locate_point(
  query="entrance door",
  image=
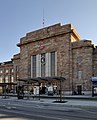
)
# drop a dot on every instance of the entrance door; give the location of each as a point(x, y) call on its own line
point(79, 89)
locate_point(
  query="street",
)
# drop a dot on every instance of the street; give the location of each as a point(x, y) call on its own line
point(27, 110)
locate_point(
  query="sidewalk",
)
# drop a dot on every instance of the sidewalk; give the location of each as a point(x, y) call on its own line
point(77, 101)
point(68, 102)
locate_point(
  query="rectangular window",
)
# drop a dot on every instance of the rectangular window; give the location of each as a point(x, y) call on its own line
point(0, 70)
point(1, 79)
point(17, 76)
point(80, 75)
point(12, 70)
point(53, 63)
point(6, 79)
point(6, 70)
point(17, 69)
point(43, 65)
point(12, 79)
point(34, 66)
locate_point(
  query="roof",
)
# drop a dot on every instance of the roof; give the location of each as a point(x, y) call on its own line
point(7, 62)
point(39, 79)
point(4, 84)
point(48, 32)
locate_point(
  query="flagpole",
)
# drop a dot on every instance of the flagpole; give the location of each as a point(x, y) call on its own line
point(43, 18)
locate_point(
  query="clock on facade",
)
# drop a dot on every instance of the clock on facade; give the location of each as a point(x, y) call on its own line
point(43, 60)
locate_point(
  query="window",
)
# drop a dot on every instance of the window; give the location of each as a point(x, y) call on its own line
point(79, 60)
point(17, 76)
point(17, 69)
point(6, 79)
point(1, 79)
point(6, 70)
point(43, 65)
point(34, 65)
point(12, 79)
point(79, 75)
point(12, 70)
point(52, 63)
point(0, 70)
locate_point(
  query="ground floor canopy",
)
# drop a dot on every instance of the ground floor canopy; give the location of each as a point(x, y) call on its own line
point(41, 85)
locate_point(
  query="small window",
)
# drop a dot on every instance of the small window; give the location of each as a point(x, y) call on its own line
point(1, 79)
point(17, 69)
point(0, 70)
point(12, 70)
point(6, 79)
point(12, 79)
point(79, 60)
point(80, 75)
point(6, 70)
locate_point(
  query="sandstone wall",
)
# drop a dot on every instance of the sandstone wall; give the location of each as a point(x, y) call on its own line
point(82, 64)
point(54, 38)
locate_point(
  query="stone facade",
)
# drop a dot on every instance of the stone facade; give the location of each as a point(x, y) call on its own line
point(76, 58)
point(6, 75)
point(54, 38)
point(82, 64)
point(16, 66)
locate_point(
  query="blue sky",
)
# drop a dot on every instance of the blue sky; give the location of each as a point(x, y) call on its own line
point(18, 17)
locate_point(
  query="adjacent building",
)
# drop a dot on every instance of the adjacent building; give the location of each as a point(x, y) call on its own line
point(6, 77)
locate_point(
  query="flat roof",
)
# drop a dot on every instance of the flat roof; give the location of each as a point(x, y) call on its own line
point(4, 84)
point(38, 79)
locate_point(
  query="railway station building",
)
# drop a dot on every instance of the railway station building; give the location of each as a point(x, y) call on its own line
point(57, 51)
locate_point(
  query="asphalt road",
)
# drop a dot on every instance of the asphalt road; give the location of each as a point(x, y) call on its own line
point(24, 110)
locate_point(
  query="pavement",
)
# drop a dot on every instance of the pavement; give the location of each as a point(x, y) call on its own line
point(77, 101)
